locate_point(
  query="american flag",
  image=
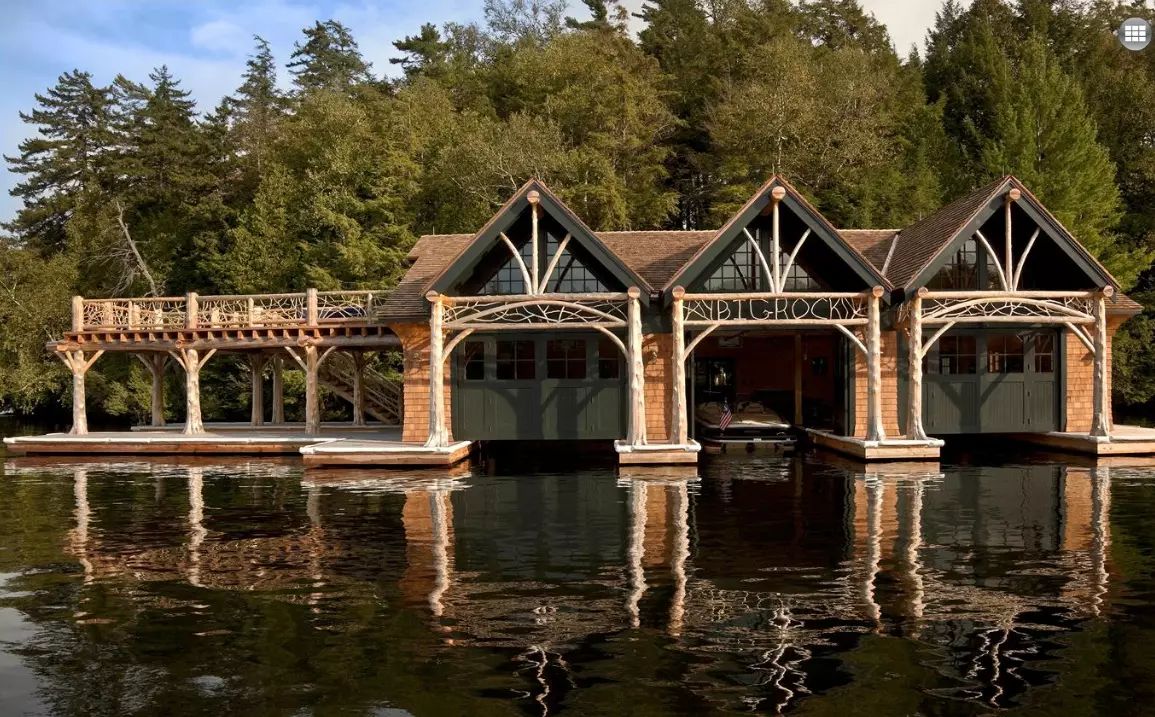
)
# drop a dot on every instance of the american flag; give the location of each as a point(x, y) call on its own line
point(727, 416)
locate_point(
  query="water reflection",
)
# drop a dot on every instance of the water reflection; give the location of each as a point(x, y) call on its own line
point(764, 584)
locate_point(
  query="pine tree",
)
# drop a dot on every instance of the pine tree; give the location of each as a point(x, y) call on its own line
point(69, 153)
point(425, 53)
point(254, 111)
point(329, 59)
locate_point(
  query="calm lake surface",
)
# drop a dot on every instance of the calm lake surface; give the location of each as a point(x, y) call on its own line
point(763, 584)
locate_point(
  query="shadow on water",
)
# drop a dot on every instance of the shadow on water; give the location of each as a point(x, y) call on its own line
point(554, 584)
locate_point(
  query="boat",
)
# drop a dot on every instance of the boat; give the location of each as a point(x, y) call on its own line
point(751, 424)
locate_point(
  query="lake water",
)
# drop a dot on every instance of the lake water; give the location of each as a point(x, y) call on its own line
point(762, 584)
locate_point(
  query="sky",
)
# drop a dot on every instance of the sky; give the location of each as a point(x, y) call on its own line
point(205, 43)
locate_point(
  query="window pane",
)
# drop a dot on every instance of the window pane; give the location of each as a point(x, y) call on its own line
point(1004, 353)
point(955, 355)
point(473, 360)
point(555, 355)
point(738, 273)
point(609, 360)
point(1044, 353)
point(505, 365)
point(525, 363)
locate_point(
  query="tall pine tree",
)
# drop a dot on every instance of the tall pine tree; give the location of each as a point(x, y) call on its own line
point(329, 59)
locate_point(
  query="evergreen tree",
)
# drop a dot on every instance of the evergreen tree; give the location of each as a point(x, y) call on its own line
point(254, 110)
point(535, 21)
point(329, 59)
point(69, 153)
point(425, 53)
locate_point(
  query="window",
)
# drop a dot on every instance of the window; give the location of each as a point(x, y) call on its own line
point(961, 272)
point(738, 273)
point(609, 360)
point(1044, 353)
point(515, 360)
point(565, 358)
point(957, 355)
point(508, 279)
point(473, 360)
point(570, 276)
point(1004, 353)
point(797, 279)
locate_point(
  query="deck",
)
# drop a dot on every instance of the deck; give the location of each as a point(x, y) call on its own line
point(342, 445)
point(1125, 441)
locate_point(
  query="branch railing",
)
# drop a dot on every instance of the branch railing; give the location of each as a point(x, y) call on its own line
point(309, 308)
point(795, 308)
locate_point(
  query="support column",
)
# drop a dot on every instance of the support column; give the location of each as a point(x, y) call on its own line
point(1101, 420)
point(797, 379)
point(679, 418)
point(192, 363)
point(914, 428)
point(438, 435)
point(358, 387)
point(155, 364)
point(637, 432)
point(278, 390)
point(312, 399)
point(874, 428)
point(257, 371)
point(78, 365)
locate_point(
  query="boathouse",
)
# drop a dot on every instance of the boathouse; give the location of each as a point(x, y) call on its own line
point(987, 316)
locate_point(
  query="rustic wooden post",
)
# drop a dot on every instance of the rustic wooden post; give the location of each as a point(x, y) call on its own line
point(192, 363)
point(534, 198)
point(76, 362)
point(312, 399)
point(798, 379)
point(679, 418)
point(155, 364)
point(777, 195)
point(77, 314)
point(874, 427)
point(438, 436)
point(133, 315)
point(257, 371)
point(311, 307)
point(358, 387)
point(637, 430)
point(1101, 419)
point(278, 390)
point(914, 427)
point(191, 309)
point(1009, 262)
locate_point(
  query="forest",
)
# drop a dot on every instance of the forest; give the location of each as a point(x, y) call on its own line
point(321, 170)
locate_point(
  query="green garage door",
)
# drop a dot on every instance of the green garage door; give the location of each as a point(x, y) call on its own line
point(993, 381)
point(538, 387)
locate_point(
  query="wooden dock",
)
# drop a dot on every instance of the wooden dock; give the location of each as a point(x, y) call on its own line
point(1124, 441)
point(339, 446)
point(891, 449)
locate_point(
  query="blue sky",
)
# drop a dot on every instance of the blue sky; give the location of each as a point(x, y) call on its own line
point(205, 42)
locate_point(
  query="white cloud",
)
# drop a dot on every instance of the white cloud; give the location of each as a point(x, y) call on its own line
point(220, 36)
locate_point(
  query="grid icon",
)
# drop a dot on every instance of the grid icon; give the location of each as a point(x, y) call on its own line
point(1135, 33)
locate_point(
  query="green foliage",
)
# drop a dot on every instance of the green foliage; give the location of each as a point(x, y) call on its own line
point(131, 189)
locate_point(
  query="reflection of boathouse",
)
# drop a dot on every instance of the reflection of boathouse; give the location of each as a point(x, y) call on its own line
point(807, 564)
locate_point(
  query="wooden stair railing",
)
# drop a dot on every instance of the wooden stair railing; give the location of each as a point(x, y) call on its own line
point(383, 398)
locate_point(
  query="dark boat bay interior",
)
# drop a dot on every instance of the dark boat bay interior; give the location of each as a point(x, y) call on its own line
point(754, 584)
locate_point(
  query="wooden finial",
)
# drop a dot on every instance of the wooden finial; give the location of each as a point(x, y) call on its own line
point(534, 196)
point(923, 291)
point(1108, 291)
point(1014, 194)
point(778, 193)
point(678, 292)
point(877, 291)
point(634, 292)
point(431, 296)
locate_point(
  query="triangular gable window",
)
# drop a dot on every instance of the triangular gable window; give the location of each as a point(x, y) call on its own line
point(742, 271)
point(961, 271)
point(570, 276)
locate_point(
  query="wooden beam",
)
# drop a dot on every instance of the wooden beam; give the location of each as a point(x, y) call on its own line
point(529, 285)
point(1101, 396)
point(761, 260)
point(775, 242)
point(358, 388)
point(797, 378)
point(679, 415)
point(1081, 334)
point(1009, 262)
point(1023, 260)
point(926, 346)
point(257, 379)
point(448, 350)
point(312, 397)
point(914, 427)
point(875, 431)
point(533, 287)
point(191, 361)
point(438, 433)
point(794, 254)
point(553, 264)
point(155, 363)
point(994, 258)
point(699, 338)
point(637, 430)
point(278, 389)
point(858, 344)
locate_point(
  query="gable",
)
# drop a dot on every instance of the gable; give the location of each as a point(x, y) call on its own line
point(1056, 260)
point(487, 254)
point(825, 255)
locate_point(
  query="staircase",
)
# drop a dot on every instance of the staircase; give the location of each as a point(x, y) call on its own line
point(382, 397)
